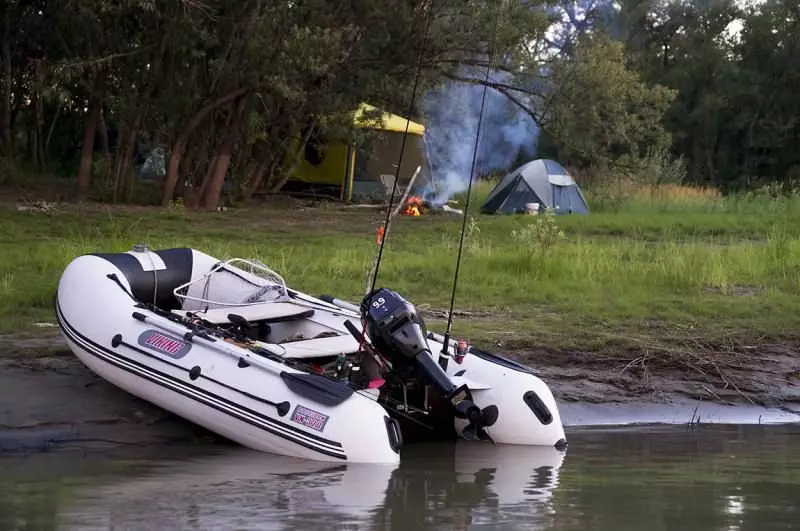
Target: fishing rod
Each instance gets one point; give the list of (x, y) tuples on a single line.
[(445, 344), (384, 235), (402, 148)]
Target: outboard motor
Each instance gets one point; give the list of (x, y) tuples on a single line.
[(398, 332)]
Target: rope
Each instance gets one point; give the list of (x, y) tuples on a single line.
[(155, 277)]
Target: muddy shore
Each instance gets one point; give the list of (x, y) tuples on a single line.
[(49, 400)]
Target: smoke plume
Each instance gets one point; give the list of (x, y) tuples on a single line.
[(508, 136), (452, 112)]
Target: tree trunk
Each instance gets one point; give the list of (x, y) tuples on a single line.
[(171, 178), (123, 157), (40, 123), (33, 133), (209, 176), (248, 174), (254, 170), (214, 140), (254, 175), (179, 145), (276, 186), (89, 131), (711, 156), (102, 128), (211, 196), (186, 163), (193, 168), (124, 153), (269, 183), (748, 151), (52, 128), (208, 196), (6, 145)]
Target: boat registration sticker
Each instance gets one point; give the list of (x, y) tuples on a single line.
[(171, 346), (308, 417)]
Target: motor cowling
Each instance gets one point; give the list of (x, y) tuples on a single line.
[(393, 324), (397, 331)]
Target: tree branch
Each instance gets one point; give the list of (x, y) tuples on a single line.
[(201, 114), (491, 84), (538, 119), (101, 60)]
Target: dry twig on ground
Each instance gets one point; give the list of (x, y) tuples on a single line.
[(386, 229)]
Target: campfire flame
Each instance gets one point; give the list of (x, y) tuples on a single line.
[(413, 206)]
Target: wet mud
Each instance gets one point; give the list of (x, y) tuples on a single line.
[(49, 400), (766, 376)]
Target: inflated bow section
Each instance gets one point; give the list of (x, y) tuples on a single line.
[(145, 282)]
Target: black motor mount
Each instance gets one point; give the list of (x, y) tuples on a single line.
[(398, 332)]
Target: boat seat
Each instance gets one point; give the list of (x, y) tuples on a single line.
[(320, 347), (269, 312)]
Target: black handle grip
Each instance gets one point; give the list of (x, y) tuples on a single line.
[(354, 331)]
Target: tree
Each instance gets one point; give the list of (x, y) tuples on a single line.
[(599, 112)]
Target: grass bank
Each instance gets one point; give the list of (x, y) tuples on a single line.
[(643, 271)]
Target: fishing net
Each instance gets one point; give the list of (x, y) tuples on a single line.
[(236, 282)]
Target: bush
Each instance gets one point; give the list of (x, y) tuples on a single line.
[(539, 235)]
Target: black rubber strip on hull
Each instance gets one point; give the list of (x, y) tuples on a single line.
[(500, 360), (187, 390), (121, 341)]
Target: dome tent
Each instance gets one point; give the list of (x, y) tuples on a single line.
[(542, 181)]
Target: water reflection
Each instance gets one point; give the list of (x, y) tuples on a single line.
[(439, 487), (721, 478), (240, 489)]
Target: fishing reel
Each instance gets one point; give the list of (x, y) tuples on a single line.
[(398, 332)]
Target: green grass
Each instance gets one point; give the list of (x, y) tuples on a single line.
[(639, 271)]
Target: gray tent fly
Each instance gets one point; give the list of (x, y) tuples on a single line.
[(542, 181)]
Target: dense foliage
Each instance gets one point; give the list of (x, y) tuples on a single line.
[(735, 66), (655, 89)]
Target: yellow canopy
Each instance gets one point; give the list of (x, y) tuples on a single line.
[(339, 160), (390, 122)]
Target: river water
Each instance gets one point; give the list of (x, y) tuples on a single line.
[(610, 478)]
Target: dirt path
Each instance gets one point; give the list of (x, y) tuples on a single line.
[(49, 399)]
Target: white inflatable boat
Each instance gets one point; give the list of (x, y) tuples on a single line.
[(229, 346)]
